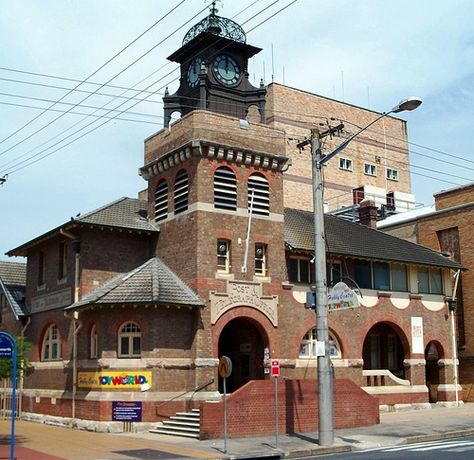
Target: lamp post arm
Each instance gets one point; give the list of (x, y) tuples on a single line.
[(341, 147)]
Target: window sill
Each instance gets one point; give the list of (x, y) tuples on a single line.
[(62, 281), (41, 287), (224, 276)]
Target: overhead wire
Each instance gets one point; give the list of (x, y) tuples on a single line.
[(20, 165), (84, 80)]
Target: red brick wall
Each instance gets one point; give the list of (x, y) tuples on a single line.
[(298, 407)]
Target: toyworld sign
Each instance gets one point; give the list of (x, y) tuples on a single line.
[(115, 380), (342, 297)]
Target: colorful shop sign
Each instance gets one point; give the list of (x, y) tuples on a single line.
[(121, 380), (342, 297)]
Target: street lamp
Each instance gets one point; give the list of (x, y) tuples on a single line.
[(325, 377)]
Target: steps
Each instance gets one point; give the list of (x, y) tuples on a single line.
[(186, 424)]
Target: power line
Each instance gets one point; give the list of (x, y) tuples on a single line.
[(21, 165), (79, 84)]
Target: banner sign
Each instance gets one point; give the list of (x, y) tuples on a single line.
[(127, 411), (342, 297), (121, 380)]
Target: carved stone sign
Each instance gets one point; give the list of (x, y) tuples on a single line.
[(51, 301), (243, 294)]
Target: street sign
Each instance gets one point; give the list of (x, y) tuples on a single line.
[(225, 367), (275, 368), (6, 348)]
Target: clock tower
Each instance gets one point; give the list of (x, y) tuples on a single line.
[(214, 71)]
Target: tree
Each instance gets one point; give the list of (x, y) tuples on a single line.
[(22, 361)]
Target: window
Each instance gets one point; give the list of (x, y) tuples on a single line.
[(93, 342), (308, 346), (399, 278), (392, 174), (370, 169), (225, 189), (41, 269), (345, 163), (181, 192), (129, 341), (381, 276), (300, 270), (223, 256), (261, 259), (161, 201), (430, 281), (258, 187), (62, 261), (51, 349), (333, 273), (381, 272)]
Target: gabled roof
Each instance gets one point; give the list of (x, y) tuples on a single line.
[(13, 285), (351, 239), (151, 283), (124, 213)]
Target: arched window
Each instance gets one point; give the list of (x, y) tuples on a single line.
[(225, 189), (258, 185), (181, 192), (51, 347), (308, 346), (161, 201), (129, 341), (93, 342)]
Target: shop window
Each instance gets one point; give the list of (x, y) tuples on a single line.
[(161, 201), (181, 192), (308, 346), (345, 164), (261, 259), (370, 169), (430, 281), (258, 186), (51, 347), (225, 189), (363, 274), (223, 256), (300, 270), (93, 342), (333, 273), (381, 272), (129, 341), (399, 278)]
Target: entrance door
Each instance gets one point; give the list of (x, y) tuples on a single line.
[(242, 342)]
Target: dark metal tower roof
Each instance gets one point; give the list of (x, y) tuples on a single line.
[(216, 25)]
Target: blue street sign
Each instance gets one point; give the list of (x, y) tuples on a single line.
[(6, 348)]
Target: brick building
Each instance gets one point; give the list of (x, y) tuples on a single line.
[(447, 227), (137, 300)]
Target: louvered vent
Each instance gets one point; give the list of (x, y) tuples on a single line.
[(261, 197), (225, 189), (181, 191), (161, 201)]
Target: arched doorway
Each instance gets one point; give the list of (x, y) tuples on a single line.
[(433, 353), (383, 349), (244, 341)]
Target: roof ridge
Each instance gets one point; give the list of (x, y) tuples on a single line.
[(105, 206)]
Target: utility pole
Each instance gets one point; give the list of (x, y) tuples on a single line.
[(325, 377)]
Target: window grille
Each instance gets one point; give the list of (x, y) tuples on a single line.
[(225, 189), (181, 191), (261, 197), (161, 201)]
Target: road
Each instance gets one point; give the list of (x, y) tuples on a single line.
[(454, 449)]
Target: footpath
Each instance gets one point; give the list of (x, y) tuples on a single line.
[(35, 441)]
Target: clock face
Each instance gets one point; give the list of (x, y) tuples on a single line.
[(192, 75), (226, 70)]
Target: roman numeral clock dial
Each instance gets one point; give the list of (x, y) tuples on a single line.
[(226, 70)]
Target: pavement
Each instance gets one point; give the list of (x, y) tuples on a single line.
[(36, 441)]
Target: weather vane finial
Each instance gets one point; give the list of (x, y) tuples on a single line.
[(213, 7)]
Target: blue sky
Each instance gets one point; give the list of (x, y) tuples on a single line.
[(368, 53)]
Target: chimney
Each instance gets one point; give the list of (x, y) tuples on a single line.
[(368, 213)]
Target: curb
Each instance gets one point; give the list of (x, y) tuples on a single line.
[(439, 436)]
